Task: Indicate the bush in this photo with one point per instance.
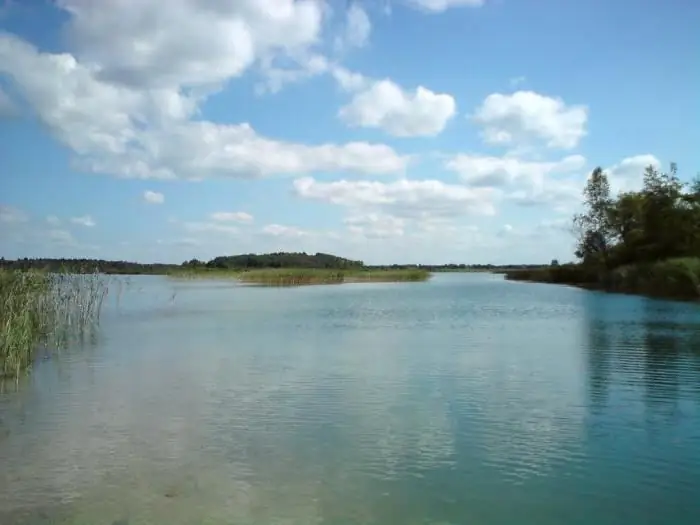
(674, 278)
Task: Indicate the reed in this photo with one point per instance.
(44, 309)
(292, 276)
(301, 276)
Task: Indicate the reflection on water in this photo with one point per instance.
(462, 400)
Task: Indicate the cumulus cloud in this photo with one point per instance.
(85, 220)
(523, 181)
(526, 118)
(142, 128)
(280, 230)
(438, 6)
(357, 28)
(7, 106)
(375, 225)
(482, 170)
(385, 105)
(628, 174)
(232, 216)
(402, 198)
(349, 80)
(153, 197)
(191, 43)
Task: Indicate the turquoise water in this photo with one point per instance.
(464, 400)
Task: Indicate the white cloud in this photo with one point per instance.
(7, 106)
(628, 174)
(11, 215)
(62, 237)
(153, 197)
(301, 67)
(190, 43)
(375, 225)
(85, 220)
(20, 228)
(526, 117)
(145, 132)
(386, 105)
(232, 216)
(349, 80)
(209, 227)
(482, 170)
(402, 198)
(438, 6)
(524, 182)
(280, 230)
(357, 28)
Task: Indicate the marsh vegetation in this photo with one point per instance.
(41, 309)
(306, 276)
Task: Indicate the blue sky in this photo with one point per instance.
(426, 131)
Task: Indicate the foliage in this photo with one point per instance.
(39, 307)
(302, 276)
(645, 241)
(235, 263)
(85, 266)
(593, 226)
(658, 222)
(282, 260)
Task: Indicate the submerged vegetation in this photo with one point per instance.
(645, 241)
(41, 308)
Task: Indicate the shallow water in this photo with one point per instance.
(464, 400)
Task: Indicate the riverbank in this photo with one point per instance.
(306, 276)
(41, 308)
(676, 278)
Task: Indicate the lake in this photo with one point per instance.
(466, 400)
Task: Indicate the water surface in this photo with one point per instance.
(464, 400)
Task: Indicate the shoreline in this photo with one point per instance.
(676, 279)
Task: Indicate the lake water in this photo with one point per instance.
(466, 400)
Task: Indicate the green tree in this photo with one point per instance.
(592, 227)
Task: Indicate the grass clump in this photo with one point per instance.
(39, 308)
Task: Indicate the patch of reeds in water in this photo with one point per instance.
(298, 277)
(292, 277)
(38, 308)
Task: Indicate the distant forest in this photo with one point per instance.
(232, 262)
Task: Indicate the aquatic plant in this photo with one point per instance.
(296, 277)
(49, 309)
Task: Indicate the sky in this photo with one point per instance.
(392, 131)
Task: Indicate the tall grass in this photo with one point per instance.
(292, 276)
(38, 308)
(301, 276)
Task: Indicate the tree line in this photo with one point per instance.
(660, 221)
(235, 262)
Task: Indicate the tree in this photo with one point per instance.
(592, 227)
